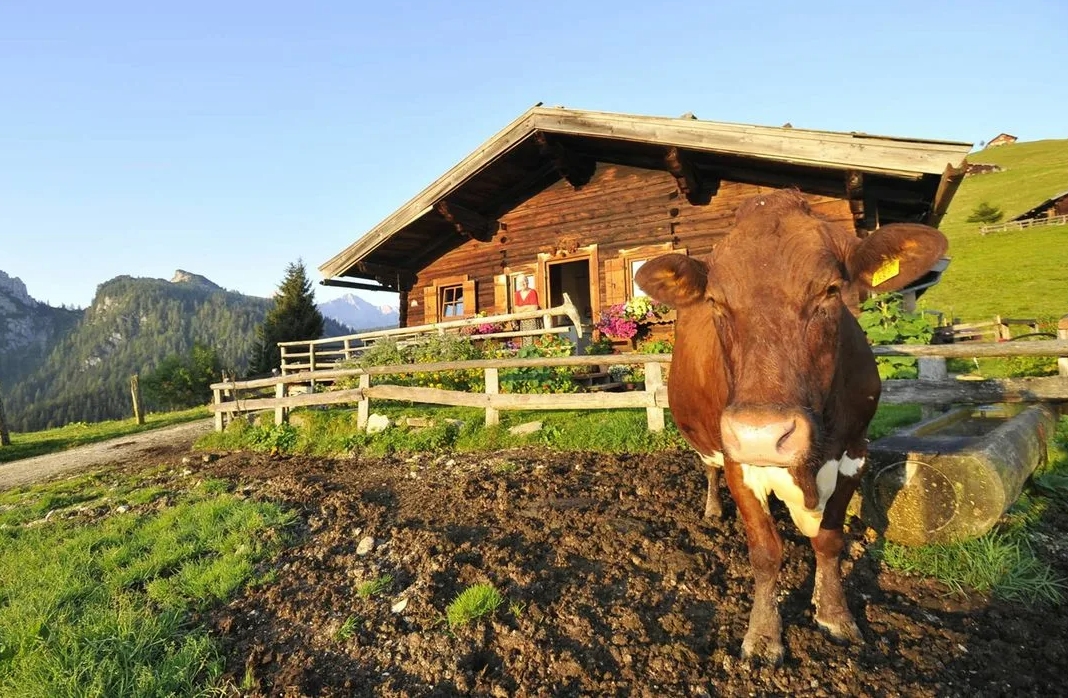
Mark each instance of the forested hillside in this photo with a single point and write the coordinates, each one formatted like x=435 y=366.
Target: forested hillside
x=132 y=325
x=28 y=329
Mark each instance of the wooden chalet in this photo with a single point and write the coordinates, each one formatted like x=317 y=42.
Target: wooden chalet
x=575 y=201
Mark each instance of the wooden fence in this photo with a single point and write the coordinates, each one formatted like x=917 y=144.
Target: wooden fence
x=1020 y=225
x=310 y=355
x=246 y=396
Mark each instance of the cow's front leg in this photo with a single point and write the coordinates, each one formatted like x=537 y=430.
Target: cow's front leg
x=764 y=636
x=828 y=596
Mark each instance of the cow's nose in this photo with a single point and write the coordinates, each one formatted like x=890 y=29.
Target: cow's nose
x=763 y=436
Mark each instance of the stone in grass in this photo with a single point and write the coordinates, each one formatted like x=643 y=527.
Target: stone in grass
x=377 y=423
x=419 y=422
x=367 y=544
x=523 y=429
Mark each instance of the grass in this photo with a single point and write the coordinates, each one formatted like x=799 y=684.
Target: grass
x=39 y=443
x=472 y=603
x=333 y=432
x=1013 y=273
x=98 y=600
x=1002 y=562
x=374 y=587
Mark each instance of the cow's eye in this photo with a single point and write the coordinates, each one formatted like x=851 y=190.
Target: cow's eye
x=834 y=290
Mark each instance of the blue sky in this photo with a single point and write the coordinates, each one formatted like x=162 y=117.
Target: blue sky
x=229 y=139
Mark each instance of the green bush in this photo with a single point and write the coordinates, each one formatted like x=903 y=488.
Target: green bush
x=557 y=379
x=885 y=321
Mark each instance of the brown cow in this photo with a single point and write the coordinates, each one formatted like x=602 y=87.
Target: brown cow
x=773 y=379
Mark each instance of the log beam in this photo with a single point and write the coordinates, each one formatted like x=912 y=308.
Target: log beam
x=854 y=191
x=468 y=223
x=575 y=168
x=697 y=190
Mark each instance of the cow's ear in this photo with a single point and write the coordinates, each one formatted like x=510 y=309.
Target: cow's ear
x=895 y=255
x=673 y=279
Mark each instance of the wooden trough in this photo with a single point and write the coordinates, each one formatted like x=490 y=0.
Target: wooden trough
x=953 y=476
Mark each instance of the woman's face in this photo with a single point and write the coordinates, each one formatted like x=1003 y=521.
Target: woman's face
x=523 y=284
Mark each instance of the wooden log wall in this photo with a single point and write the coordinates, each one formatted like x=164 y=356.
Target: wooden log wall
x=620 y=208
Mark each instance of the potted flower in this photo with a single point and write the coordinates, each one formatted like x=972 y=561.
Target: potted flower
x=631 y=321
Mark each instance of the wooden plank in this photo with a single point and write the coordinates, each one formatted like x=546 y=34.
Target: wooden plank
x=493 y=387
x=654 y=416
x=216 y=405
x=797 y=146
x=363 y=411
x=926 y=392
x=281 y=414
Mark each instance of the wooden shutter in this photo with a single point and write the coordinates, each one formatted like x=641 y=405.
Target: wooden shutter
x=615 y=281
x=470 y=299
x=430 y=304
x=500 y=294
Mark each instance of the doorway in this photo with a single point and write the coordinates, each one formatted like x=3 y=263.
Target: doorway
x=572 y=278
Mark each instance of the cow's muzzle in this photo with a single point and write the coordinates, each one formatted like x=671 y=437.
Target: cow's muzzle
x=766 y=435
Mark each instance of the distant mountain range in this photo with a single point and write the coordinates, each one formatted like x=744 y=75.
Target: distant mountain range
x=59 y=365
x=360 y=314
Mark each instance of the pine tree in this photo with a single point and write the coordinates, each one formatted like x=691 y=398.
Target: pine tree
x=294 y=317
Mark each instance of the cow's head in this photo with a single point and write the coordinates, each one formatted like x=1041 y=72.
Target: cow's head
x=771 y=294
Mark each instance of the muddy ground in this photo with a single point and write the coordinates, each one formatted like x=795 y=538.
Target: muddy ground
x=615 y=586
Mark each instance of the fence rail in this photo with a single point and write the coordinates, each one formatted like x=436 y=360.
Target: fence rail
x=309 y=355
x=1020 y=225
x=241 y=396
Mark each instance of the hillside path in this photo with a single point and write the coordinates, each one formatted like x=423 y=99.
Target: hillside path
x=119 y=450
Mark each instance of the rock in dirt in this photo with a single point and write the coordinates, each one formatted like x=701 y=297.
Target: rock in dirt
x=523 y=429
x=366 y=545
x=400 y=605
x=377 y=423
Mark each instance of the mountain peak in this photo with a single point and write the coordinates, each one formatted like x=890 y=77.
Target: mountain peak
x=182 y=276
x=13 y=286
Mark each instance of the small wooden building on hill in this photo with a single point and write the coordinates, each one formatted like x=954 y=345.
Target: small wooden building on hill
x=575 y=201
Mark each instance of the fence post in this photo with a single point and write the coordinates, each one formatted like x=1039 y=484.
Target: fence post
x=5 y=437
x=281 y=412
x=216 y=397
x=311 y=367
x=363 y=410
x=654 y=379
x=932 y=368
x=1062 y=333
x=493 y=415
x=135 y=393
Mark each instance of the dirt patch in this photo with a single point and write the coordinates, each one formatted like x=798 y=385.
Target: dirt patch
x=615 y=587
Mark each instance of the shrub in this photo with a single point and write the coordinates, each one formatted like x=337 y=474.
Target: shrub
x=886 y=322
x=557 y=379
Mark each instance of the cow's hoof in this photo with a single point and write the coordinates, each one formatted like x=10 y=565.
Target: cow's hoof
x=763 y=647
x=841 y=627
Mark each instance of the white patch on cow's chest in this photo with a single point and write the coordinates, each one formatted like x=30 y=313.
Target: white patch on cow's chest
x=764 y=480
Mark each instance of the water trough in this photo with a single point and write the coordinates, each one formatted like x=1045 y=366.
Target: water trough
x=951 y=477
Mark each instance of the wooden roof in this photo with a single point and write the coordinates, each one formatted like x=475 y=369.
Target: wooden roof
x=1034 y=211
x=910 y=179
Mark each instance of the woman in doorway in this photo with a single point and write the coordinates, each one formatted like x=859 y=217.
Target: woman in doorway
x=526 y=298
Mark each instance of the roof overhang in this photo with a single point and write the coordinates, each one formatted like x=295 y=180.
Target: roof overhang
x=532 y=151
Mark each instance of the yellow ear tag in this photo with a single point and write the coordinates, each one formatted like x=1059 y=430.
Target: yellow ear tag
x=889 y=269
